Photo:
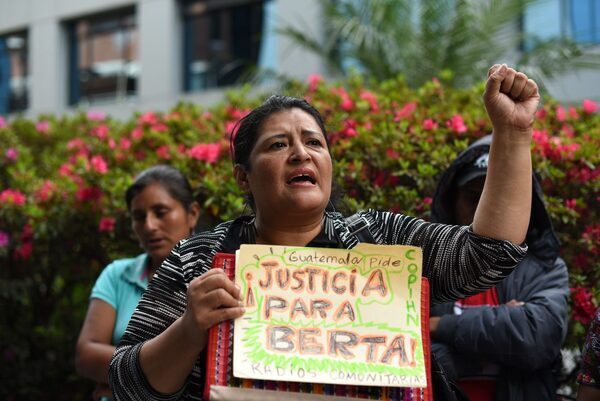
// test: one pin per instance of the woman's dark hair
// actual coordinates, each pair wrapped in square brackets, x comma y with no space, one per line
[169,178]
[247,130]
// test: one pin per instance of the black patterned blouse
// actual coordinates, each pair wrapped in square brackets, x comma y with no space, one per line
[457,262]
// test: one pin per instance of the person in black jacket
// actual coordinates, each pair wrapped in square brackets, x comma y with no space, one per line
[504,343]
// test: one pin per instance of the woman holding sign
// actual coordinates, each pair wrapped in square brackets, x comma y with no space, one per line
[283,165]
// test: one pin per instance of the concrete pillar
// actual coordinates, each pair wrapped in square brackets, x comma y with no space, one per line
[48,66]
[293,60]
[160,53]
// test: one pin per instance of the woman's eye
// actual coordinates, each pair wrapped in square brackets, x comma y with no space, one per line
[314,142]
[161,212]
[138,217]
[277,145]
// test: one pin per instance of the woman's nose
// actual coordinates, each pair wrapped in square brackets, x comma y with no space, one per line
[151,222]
[299,153]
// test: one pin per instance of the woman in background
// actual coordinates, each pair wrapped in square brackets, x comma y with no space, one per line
[163,212]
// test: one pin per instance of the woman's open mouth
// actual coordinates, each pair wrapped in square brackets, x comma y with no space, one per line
[301,177]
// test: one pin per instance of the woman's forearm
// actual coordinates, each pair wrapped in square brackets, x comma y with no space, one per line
[511,100]
[92,360]
[505,205]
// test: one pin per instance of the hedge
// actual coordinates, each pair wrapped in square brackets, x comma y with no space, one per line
[63,215]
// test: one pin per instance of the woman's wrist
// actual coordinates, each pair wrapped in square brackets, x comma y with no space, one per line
[513,136]
[194,340]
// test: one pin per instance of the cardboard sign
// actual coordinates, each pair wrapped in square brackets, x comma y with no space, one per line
[339,316]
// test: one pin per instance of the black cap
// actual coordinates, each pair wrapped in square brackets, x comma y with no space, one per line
[477,168]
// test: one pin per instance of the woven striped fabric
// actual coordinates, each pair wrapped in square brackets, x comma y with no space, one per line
[219,361]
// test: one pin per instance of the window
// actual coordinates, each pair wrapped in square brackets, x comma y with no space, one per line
[222,41]
[578,20]
[585,20]
[14,76]
[103,57]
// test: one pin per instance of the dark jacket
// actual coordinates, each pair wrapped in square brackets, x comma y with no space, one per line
[522,343]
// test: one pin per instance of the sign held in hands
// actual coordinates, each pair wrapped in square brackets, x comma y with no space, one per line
[338,316]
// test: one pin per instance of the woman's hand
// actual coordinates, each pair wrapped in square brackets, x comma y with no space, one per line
[511,99]
[211,299]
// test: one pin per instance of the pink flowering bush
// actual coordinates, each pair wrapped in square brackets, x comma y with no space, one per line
[63,215]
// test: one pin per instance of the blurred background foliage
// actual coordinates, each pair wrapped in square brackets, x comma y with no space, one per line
[456,41]
[63,178]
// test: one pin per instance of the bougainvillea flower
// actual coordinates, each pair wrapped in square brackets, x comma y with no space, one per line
[589,106]
[99,165]
[231,128]
[560,113]
[66,170]
[24,251]
[541,114]
[11,154]
[346,102]
[573,113]
[392,154]
[2,122]
[100,132]
[106,224]
[43,127]
[124,143]
[591,234]
[313,82]
[405,111]
[45,191]
[429,125]
[235,113]
[4,239]
[379,179]
[371,99]
[78,145]
[148,118]
[457,124]
[159,127]
[208,152]
[163,152]
[137,133]
[27,233]
[583,307]
[89,194]
[12,197]
[96,115]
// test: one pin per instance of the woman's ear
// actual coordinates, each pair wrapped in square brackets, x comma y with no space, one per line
[193,214]
[241,177]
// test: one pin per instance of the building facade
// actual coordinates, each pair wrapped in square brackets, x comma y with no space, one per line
[121,56]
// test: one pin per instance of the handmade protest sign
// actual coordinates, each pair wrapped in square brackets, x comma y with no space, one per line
[339,316]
